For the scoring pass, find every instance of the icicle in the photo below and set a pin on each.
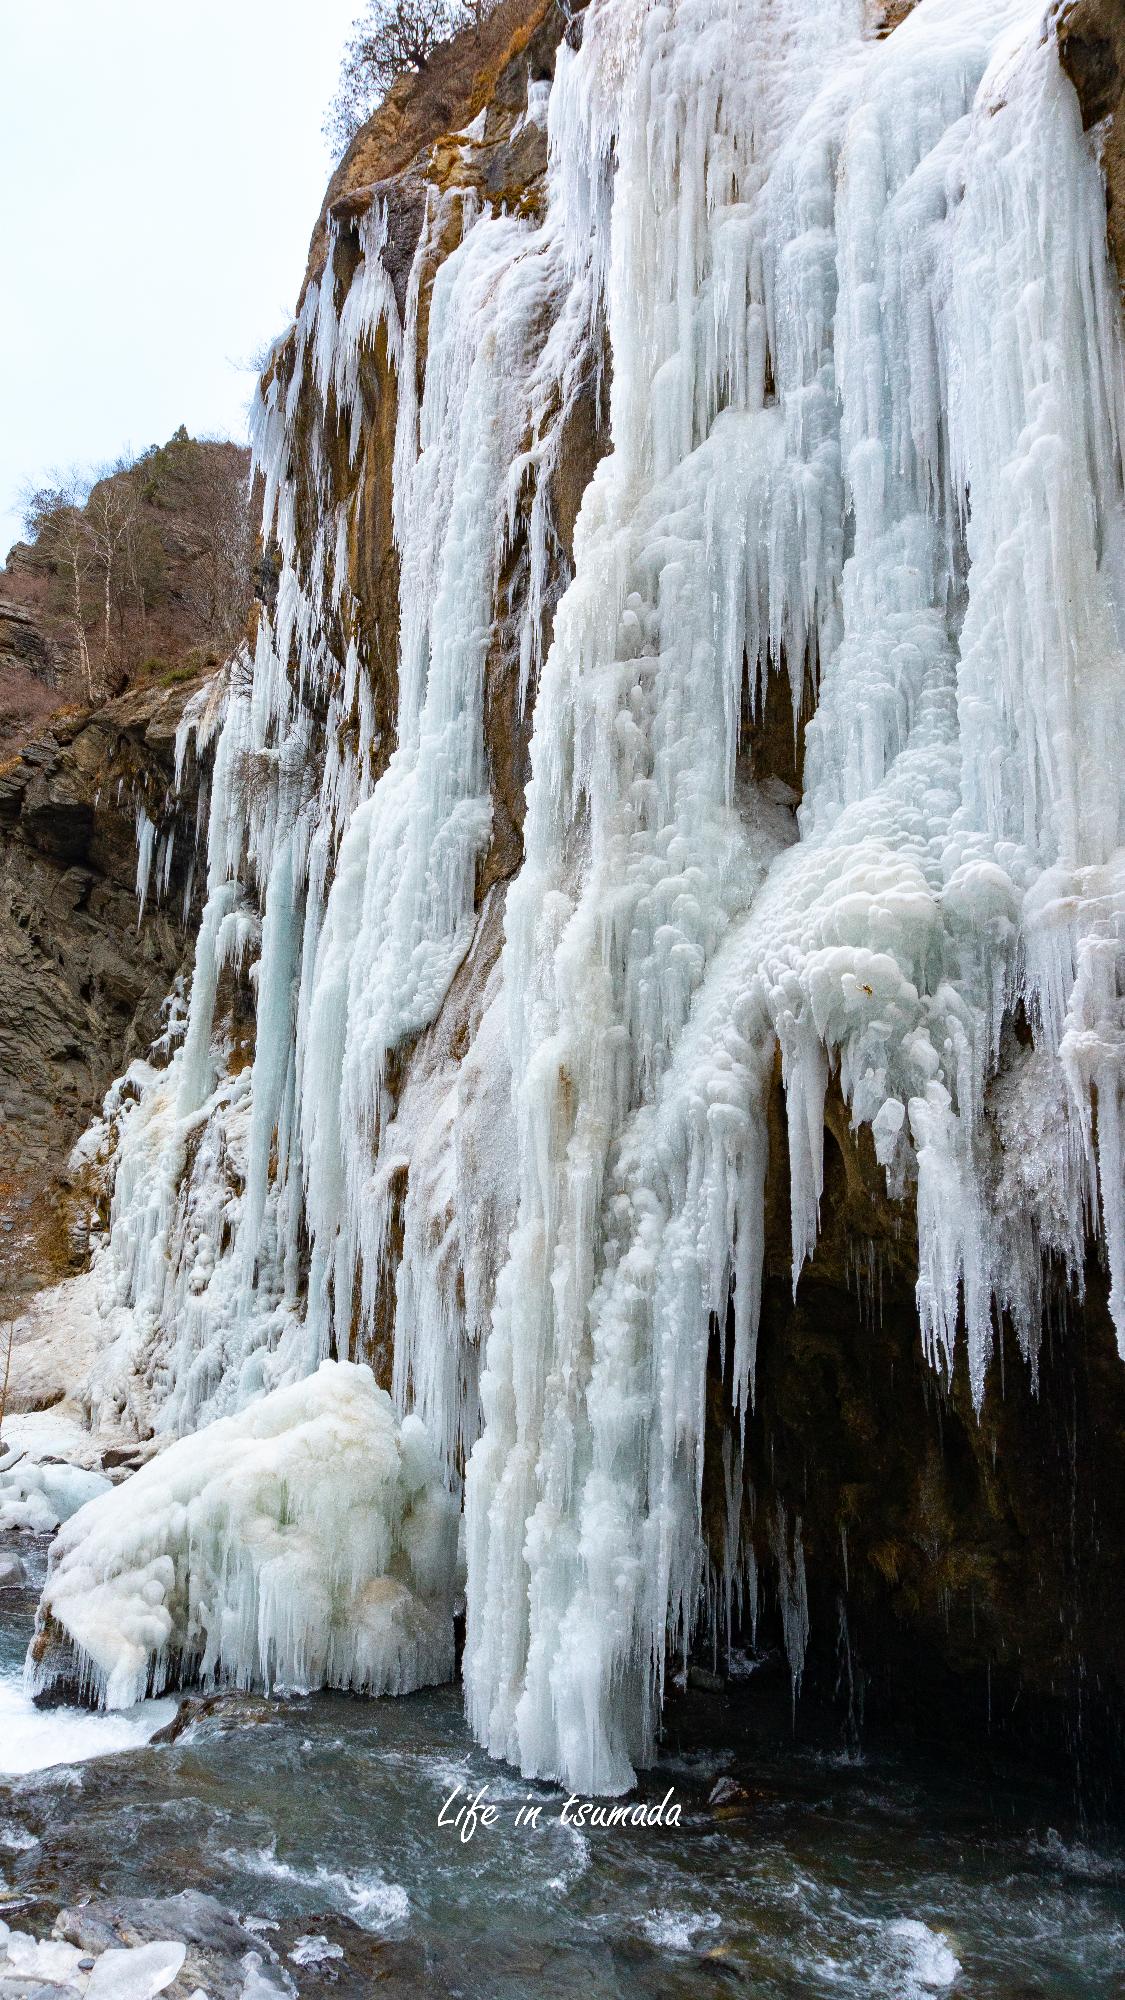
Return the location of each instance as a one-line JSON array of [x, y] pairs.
[[146, 837]]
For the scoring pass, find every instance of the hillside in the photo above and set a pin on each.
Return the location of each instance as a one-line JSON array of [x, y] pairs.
[[142, 576]]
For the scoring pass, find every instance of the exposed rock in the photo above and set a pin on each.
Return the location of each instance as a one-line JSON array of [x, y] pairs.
[[217, 1944], [22, 641], [1091, 35], [957, 1565], [481, 67], [81, 982], [884, 16]]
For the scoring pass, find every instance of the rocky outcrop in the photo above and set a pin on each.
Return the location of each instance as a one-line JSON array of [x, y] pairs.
[[1091, 35], [144, 578], [81, 978], [35, 659], [487, 68]]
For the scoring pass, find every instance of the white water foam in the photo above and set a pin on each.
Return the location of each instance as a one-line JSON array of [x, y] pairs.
[[33, 1739], [365, 1895]]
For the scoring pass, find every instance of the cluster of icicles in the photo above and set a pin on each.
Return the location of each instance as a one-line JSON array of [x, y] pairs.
[[866, 425]]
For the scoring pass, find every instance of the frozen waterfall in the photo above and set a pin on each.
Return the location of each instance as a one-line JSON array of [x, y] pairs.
[[865, 418]]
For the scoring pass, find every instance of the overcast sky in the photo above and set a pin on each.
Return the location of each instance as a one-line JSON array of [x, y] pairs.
[[161, 168]]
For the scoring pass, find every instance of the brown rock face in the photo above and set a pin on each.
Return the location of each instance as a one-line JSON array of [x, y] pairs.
[[1091, 36], [35, 657], [958, 1565], [81, 981], [484, 66]]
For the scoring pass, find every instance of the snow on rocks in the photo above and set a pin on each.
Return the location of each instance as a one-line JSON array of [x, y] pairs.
[[54, 1341], [137, 1972], [308, 1541], [186, 1945], [38, 1497]]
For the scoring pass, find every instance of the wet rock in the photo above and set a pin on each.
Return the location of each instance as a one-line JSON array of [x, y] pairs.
[[332, 1956], [706, 1680], [216, 1944], [315, 1950], [228, 1705], [728, 1799], [52, 1651]]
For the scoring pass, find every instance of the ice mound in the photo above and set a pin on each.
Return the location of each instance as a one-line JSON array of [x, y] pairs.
[[306, 1542], [37, 1497]]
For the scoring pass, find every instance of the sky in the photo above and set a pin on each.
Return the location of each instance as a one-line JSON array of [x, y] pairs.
[[161, 169]]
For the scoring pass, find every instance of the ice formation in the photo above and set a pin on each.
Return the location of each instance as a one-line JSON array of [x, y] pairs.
[[37, 1497], [124, 1972], [307, 1542], [865, 425]]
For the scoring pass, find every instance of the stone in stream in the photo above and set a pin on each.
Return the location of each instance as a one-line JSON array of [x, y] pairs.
[[216, 1945]]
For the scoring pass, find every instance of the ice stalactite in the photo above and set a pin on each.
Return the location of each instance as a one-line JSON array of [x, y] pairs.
[[400, 914], [865, 364]]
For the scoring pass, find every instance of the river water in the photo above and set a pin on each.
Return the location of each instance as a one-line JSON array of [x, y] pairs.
[[822, 1875]]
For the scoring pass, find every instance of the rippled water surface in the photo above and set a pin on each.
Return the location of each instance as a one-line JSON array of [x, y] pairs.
[[828, 1876]]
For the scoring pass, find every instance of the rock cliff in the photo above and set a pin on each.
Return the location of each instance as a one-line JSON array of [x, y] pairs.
[[83, 975]]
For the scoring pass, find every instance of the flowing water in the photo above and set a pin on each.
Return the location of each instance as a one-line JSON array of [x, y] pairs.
[[873, 1875]]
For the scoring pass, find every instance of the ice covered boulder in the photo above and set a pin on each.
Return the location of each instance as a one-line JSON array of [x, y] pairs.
[[37, 1496], [308, 1541]]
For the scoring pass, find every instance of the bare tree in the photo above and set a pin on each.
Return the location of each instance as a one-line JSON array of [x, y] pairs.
[[112, 514], [219, 511], [389, 39], [55, 521]]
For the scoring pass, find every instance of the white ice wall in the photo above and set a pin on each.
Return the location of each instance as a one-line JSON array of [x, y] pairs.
[[923, 510]]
